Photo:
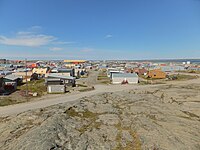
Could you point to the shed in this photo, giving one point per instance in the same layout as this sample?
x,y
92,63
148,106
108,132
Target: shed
x,y
56,89
119,78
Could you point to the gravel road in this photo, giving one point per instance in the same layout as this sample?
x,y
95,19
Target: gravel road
x,y
48,101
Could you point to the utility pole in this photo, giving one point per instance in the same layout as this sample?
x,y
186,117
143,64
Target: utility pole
x,y
26,78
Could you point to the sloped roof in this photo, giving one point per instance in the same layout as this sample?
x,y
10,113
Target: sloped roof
x,y
12,77
124,75
55,75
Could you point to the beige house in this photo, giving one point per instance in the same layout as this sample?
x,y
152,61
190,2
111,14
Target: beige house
x,y
70,65
40,71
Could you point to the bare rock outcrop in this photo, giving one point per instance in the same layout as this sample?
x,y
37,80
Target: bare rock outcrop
x,y
162,118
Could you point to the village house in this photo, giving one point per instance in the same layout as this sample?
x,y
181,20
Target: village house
x,y
40,71
3,61
140,71
112,70
156,74
80,73
62,72
6,65
5,72
193,68
58,83
32,65
73,63
124,78
2,90
102,66
11,81
131,65
24,74
172,68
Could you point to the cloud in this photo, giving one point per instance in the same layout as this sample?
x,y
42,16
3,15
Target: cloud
x,y
55,49
63,43
108,36
29,39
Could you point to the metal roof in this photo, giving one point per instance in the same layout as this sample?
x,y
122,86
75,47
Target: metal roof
x,y
52,79
124,75
12,77
55,75
5,72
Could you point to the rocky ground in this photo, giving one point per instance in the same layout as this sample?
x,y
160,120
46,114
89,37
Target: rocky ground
x,y
159,118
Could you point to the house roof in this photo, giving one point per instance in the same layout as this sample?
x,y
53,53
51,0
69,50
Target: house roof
x,y
64,70
12,77
55,75
125,75
172,68
5,72
52,79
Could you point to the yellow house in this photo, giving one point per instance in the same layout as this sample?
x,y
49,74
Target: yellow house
x,y
41,71
70,65
74,61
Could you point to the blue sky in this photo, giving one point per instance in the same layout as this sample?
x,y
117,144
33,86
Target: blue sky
x,y
99,29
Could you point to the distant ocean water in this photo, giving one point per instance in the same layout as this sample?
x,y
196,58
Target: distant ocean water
x,y
195,61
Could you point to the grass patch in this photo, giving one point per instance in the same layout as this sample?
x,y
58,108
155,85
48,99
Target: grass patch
x,y
190,71
181,77
81,85
103,78
86,89
35,86
71,112
7,101
106,82
86,114
151,82
144,83
133,145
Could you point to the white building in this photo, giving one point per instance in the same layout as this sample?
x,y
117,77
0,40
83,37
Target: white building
x,y
119,78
